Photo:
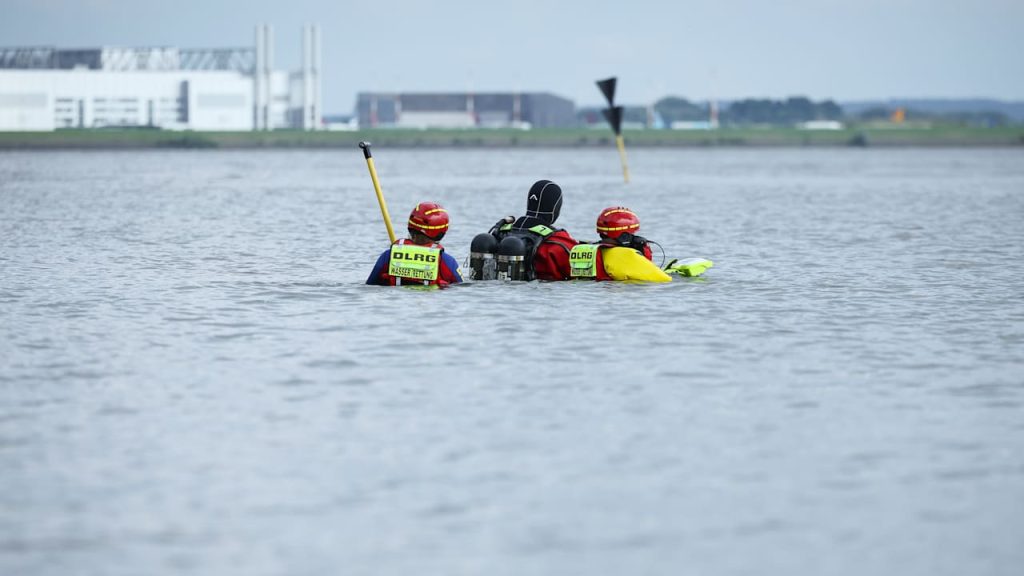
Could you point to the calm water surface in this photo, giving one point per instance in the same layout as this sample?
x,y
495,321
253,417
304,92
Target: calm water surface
x,y
193,378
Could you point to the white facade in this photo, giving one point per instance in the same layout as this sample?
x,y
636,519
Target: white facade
x,y
49,99
820,125
424,120
150,88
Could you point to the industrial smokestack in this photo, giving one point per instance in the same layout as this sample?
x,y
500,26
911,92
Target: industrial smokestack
x,y
268,68
317,93
308,39
257,81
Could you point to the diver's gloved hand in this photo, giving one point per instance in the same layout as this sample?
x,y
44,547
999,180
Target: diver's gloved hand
x,y
497,225
688,267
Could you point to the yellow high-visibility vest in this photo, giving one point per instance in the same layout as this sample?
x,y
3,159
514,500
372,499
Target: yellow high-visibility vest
x,y
415,262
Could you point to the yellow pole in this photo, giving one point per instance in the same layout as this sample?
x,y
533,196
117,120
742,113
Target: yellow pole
x,y
622,156
376,186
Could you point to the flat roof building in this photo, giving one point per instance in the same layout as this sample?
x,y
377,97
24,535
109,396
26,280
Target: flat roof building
x,y
464,110
171,88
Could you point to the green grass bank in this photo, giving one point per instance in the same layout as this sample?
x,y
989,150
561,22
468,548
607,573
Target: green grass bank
x,y
501,138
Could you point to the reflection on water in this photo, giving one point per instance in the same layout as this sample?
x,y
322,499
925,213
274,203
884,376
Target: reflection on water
x,y
194,377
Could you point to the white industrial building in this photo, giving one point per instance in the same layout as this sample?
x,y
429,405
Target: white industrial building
x,y
225,89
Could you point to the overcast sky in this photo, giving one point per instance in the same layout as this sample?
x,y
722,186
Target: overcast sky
x,y
839,49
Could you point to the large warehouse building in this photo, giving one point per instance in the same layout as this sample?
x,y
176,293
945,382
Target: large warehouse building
x,y
464,110
171,88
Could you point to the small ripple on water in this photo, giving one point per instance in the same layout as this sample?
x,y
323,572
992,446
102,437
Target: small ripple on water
x,y
760,527
84,374
234,336
1003,404
933,516
961,474
45,344
686,375
334,328
987,391
110,410
303,398
331,363
56,544
220,324
194,318
355,381
290,295
295,381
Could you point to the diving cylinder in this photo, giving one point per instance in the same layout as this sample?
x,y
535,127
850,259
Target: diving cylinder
x,y
482,265
512,259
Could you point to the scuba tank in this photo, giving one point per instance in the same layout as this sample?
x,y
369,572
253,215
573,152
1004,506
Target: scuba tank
x,y
515,250
512,259
482,265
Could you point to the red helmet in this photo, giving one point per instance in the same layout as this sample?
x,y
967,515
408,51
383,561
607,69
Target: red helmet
x,y
615,221
429,219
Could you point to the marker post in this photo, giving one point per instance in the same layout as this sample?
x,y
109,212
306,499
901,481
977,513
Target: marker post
x,y
613,114
376,186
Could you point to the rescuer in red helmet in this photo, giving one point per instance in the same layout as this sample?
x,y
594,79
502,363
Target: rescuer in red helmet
x,y
420,259
621,253
618,226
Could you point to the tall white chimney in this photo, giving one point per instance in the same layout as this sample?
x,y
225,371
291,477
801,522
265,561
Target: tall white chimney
x,y
307,77
268,68
318,110
257,81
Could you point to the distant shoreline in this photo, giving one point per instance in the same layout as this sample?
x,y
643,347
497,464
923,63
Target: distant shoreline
x,y
508,138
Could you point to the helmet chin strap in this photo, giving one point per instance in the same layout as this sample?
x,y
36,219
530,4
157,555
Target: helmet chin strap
x,y
421,238
628,240
624,239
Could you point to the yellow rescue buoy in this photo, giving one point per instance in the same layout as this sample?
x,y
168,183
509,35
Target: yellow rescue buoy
x,y
627,264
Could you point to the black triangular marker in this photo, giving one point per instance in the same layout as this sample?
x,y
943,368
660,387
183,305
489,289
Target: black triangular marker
x,y
614,117
608,89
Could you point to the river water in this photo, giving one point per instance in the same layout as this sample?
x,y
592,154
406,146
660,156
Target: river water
x,y
194,379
